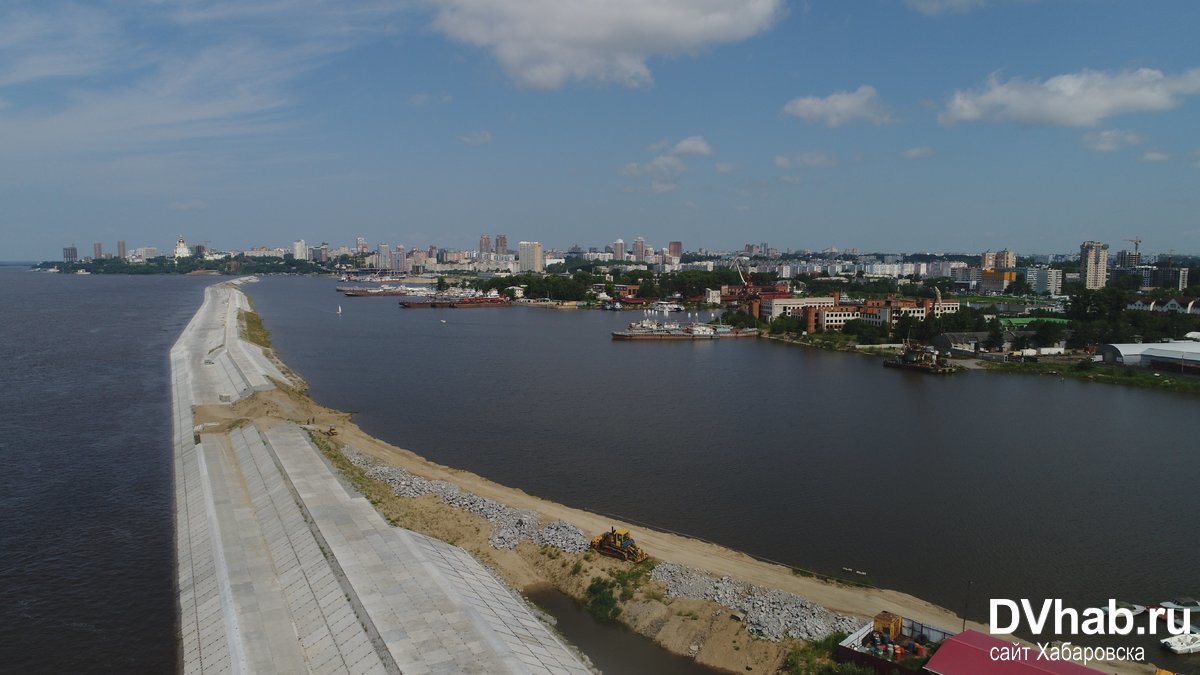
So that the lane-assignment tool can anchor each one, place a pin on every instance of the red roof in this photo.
(968, 653)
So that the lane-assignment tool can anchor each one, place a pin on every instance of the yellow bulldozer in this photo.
(618, 544)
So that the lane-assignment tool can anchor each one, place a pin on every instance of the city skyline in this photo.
(936, 125)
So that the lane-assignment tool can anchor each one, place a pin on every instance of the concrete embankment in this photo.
(281, 568)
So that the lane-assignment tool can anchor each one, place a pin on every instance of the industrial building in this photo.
(1181, 356)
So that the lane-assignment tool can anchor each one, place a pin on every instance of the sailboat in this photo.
(339, 310)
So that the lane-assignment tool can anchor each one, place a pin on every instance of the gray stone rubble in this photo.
(509, 525)
(770, 614)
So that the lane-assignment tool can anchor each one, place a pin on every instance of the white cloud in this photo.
(1155, 156)
(692, 145)
(67, 41)
(935, 7)
(423, 99)
(191, 205)
(1111, 140)
(840, 108)
(663, 171)
(543, 44)
(127, 97)
(918, 152)
(1072, 100)
(476, 138)
(725, 167)
(810, 159)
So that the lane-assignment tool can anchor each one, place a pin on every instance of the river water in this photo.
(1014, 486)
(87, 544)
(1027, 486)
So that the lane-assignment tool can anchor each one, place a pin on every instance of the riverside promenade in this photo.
(284, 568)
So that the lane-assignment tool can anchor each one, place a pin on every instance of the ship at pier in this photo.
(649, 329)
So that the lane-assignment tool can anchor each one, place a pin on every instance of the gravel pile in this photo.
(771, 614)
(509, 525)
(562, 535)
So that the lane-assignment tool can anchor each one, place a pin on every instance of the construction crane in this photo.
(747, 295)
(1136, 243)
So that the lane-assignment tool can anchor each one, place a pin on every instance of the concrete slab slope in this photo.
(281, 568)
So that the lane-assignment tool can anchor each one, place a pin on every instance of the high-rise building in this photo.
(97, 251)
(70, 254)
(1093, 264)
(530, 258)
(485, 244)
(121, 249)
(987, 260)
(300, 250)
(360, 245)
(1044, 280)
(675, 249)
(1006, 260)
(502, 244)
(639, 249)
(619, 250)
(432, 252)
(401, 260)
(1127, 259)
(385, 256)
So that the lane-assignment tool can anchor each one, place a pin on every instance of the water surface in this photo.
(1028, 487)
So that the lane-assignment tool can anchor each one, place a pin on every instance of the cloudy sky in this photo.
(880, 124)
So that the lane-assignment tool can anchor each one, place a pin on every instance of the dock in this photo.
(284, 568)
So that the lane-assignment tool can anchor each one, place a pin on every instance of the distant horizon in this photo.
(909, 124)
(168, 251)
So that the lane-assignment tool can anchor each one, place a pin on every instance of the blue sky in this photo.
(902, 125)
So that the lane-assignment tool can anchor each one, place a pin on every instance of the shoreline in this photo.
(673, 624)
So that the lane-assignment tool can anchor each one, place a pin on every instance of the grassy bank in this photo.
(834, 342)
(253, 329)
(1100, 372)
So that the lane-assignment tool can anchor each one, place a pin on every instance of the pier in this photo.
(283, 568)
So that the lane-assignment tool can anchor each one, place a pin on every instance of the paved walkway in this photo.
(283, 569)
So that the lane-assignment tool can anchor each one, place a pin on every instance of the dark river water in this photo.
(1027, 486)
(87, 544)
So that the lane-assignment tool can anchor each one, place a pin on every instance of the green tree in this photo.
(995, 339)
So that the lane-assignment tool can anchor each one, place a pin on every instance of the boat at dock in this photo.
(922, 358)
(382, 291)
(456, 302)
(1182, 644)
(649, 329)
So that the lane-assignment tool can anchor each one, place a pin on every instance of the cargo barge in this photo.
(434, 302)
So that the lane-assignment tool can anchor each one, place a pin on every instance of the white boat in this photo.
(1181, 627)
(1182, 644)
(1181, 603)
(339, 309)
(1133, 609)
(663, 306)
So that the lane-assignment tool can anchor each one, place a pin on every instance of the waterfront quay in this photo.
(283, 568)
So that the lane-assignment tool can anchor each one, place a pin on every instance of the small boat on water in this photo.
(339, 310)
(1133, 609)
(1181, 603)
(1182, 644)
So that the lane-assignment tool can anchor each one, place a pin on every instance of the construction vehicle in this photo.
(618, 544)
